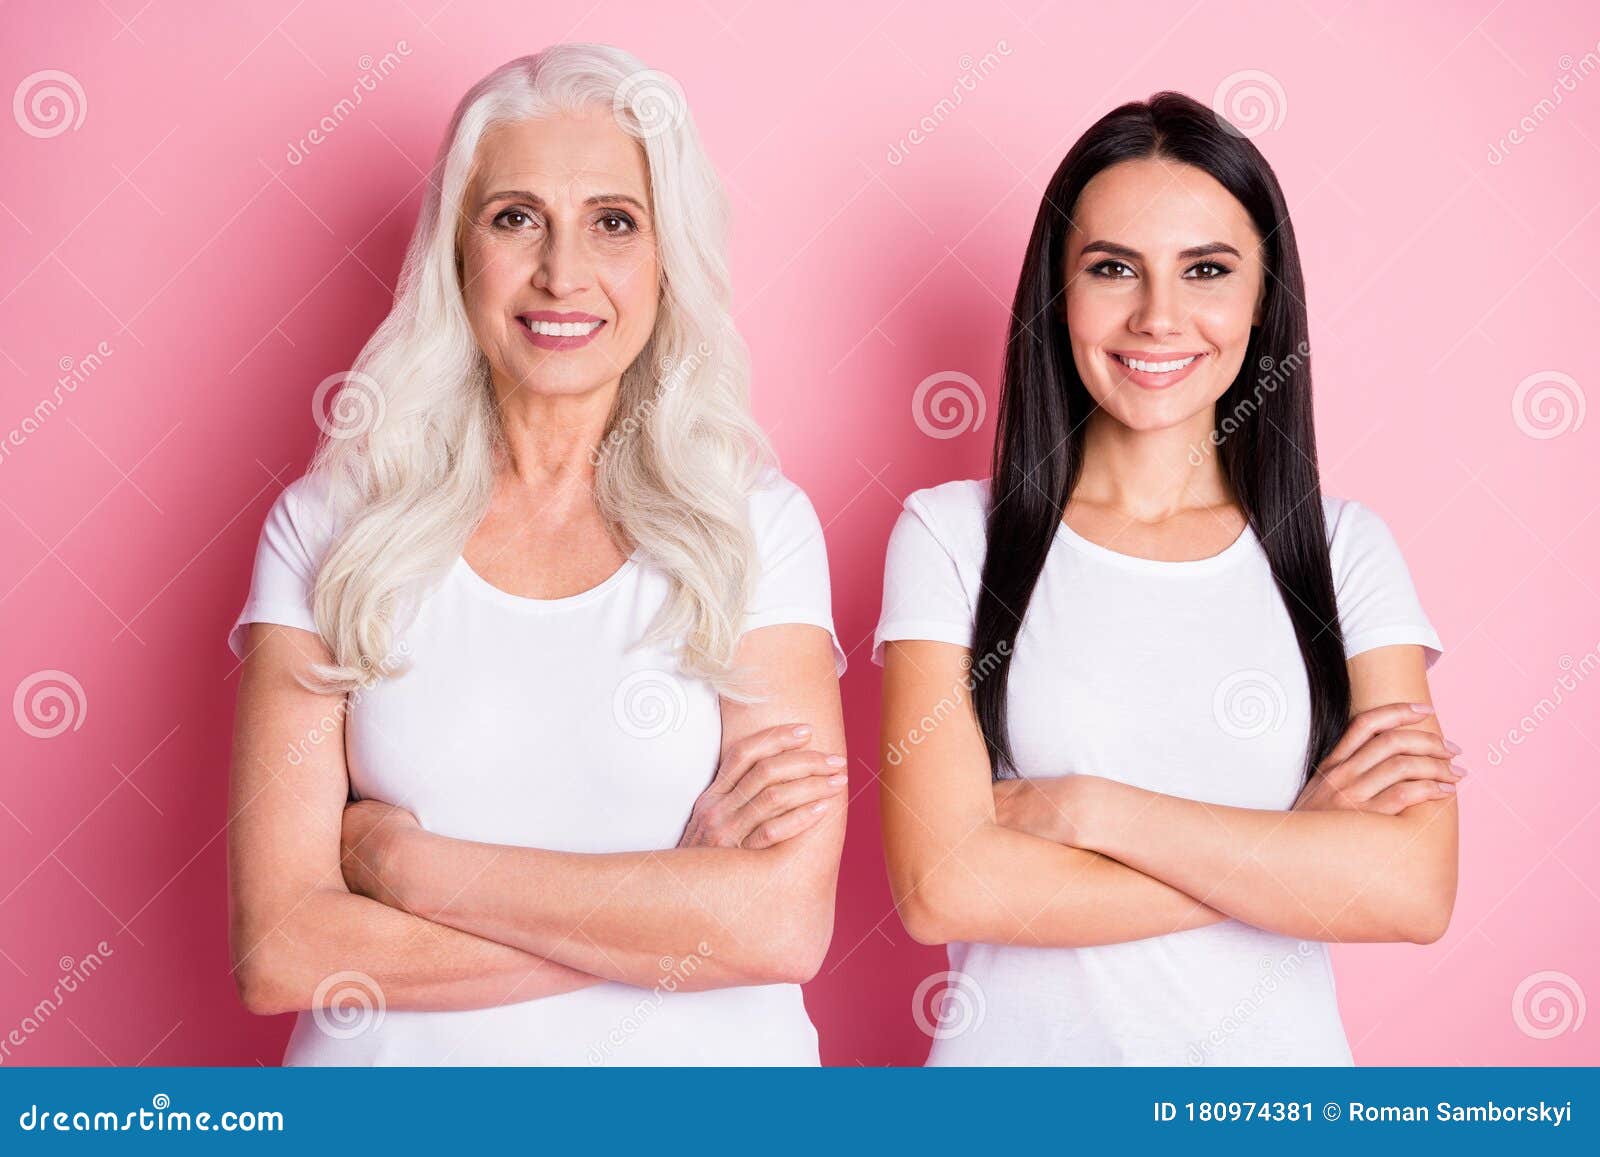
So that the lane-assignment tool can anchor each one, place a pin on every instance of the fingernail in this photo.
(838, 780)
(1447, 787)
(1422, 709)
(1458, 769)
(802, 731)
(836, 761)
(819, 807)
(1452, 748)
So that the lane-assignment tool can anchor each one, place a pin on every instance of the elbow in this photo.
(1430, 922)
(1421, 914)
(924, 928)
(261, 989)
(798, 952)
(796, 967)
(1432, 918)
(267, 981)
(926, 912)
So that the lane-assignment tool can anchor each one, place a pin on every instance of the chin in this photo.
(545, 383)
(1149, 415)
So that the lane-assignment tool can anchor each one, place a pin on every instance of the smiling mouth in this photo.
(561, 328)
(1156, 367)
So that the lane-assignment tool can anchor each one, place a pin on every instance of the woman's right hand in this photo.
(1383, 764)
(766, 791)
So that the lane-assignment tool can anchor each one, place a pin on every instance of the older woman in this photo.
(545, 609)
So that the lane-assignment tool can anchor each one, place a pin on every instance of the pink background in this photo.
(227, 283)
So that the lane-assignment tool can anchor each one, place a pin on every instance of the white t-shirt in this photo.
(531, 722)
(1182, 678)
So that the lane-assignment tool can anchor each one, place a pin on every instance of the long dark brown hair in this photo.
(1268, 455)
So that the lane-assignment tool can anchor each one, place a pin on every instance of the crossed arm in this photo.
(1082, 860)
(568, 921)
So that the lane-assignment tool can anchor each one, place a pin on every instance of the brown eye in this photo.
(510, 213)
(622, 220)
(1099, 270)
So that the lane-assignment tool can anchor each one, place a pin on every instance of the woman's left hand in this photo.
(367, 846)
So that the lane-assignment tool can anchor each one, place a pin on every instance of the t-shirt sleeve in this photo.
(287, 557)
(924, 596)
(1378, 603)
(793, 584)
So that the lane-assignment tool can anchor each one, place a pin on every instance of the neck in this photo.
(1151, 474)
(551, 438)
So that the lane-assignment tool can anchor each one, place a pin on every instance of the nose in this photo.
(1157, 312)
(563, 267)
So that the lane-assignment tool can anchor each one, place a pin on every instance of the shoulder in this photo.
(303, 518)
(785, 527)
(1353, 528)
(1377, 599)
(774, 499)
(956, 513)
(309, 497)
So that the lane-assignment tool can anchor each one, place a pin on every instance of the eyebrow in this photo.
(538, 202)
(1116, 250)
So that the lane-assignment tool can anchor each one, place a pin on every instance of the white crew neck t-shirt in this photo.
(1182, 678)
(536, 722)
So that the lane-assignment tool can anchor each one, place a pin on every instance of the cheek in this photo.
(1093, 317)
(489, 279)
(1225, 326)
(632, 284)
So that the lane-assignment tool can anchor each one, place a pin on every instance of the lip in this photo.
(1150, 380)
(546, 341)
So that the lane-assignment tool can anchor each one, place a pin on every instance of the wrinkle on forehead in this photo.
(588, 157)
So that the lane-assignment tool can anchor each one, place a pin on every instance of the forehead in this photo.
(569, 155)
(1157, 205)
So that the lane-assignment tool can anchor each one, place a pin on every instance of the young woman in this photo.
(1156, 719)
(545, 609)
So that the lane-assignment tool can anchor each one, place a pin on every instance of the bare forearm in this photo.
(618, 915)
(1002, 886)
(1324, 875)
(412, 962)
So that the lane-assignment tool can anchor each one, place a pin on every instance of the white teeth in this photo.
(1154, 367)
(562, 328)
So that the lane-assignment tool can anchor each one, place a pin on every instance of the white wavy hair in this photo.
(680, 453)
